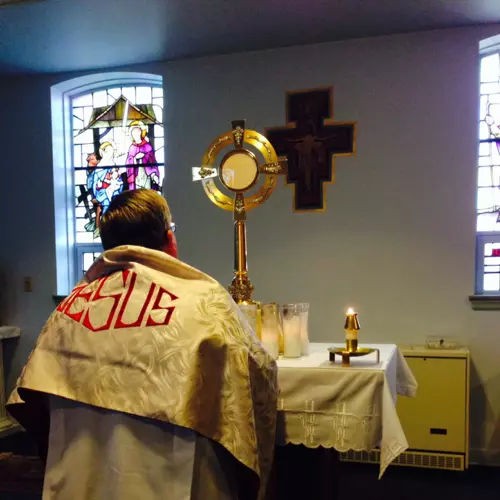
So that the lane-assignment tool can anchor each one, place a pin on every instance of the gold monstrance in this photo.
(239, 171)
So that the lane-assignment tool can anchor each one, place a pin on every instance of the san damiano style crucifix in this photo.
(310, 141)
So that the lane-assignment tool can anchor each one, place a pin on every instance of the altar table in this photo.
(347, 408)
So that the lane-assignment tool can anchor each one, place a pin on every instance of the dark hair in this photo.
(140, 217)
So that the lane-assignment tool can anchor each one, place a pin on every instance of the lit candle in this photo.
(291, 334)
(304, 331)
(270, 340)
(351, 328)
(270, 329)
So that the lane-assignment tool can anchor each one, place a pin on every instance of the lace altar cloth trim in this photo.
(345, 409)
(339, 430)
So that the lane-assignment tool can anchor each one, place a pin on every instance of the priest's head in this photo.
(139, 217)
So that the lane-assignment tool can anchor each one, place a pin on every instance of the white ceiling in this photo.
(66, 35)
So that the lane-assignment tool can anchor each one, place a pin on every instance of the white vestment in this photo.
(157, 346)
(98, 454)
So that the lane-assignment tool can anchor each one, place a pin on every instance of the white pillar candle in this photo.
(270, 340)
(291, 336)
(304, 342)
(304, 329)
(270, 331)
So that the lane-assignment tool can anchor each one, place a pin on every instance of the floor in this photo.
(407, 483)
(5, 495)
(361, 481)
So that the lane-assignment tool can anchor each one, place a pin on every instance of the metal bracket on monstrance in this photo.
(239, 172)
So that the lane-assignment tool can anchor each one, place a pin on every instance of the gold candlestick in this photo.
(351, 349)
(351, 328)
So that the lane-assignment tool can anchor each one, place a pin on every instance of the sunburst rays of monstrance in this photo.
(240, 173)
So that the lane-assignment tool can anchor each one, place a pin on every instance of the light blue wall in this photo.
(397, 240)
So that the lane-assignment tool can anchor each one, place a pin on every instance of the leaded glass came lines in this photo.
(118, 144)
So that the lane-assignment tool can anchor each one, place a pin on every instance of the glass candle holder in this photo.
(292, 330)
(304, 328)
(270, 331)
(252, 313)
(281, 336)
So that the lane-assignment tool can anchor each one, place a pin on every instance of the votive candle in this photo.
(292, 331)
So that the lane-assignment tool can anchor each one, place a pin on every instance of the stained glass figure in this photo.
(488, 198)
(118, 145)
(141, 153)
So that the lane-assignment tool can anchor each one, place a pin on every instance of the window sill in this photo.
(485, 302)
(58, 298)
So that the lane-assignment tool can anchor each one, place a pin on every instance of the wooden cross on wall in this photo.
(310, 141)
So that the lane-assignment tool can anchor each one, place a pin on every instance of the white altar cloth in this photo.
(347, 408)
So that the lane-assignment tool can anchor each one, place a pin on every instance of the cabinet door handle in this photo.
(442, 432)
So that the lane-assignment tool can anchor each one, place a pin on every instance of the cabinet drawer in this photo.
(436, 419)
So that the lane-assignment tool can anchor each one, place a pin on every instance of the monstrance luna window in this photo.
(118, 145)
(488, 196)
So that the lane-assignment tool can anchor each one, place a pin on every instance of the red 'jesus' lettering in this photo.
(156, 307)
(77, 294)
(96, 297)
(70, 298)
(119, 320)
(93, 300)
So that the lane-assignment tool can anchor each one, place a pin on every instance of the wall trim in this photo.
(485, 302)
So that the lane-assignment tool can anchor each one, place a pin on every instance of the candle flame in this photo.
(350, 311)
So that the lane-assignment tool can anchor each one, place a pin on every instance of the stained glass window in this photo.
(488, 177)
(118, 145)
(488, 198)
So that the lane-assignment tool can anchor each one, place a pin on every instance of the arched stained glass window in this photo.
(488, 173)
(117, 145)
(107, 138)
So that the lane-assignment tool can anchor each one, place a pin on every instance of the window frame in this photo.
(83, 248)
(68, 253)
(481, 240)
(487, 48)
